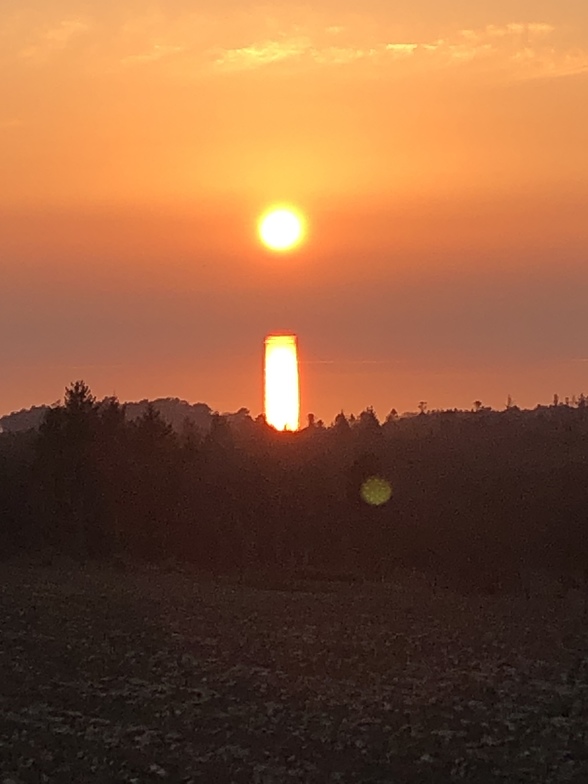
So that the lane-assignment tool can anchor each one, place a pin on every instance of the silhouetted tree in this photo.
(154, 484)
(66, 447)
(368, 420)
(112, 467)
(341, 423)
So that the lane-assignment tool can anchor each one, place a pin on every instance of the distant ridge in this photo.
(173, 410)
(25, 419)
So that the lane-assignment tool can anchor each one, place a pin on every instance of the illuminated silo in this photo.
(281, 386)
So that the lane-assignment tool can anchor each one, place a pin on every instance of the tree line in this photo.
(477, 497)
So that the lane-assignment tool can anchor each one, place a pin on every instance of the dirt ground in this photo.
(147, 675)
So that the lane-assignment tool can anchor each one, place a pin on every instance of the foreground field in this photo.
(148, 676)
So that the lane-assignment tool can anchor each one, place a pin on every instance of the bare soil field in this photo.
(150, 676)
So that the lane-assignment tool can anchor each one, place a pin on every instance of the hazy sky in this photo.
(438, 150)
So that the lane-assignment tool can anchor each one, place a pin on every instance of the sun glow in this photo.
(282, 397)
(281, 229)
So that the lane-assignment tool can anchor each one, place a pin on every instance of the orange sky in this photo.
(439, 152)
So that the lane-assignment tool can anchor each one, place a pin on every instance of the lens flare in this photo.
(282, 396)
(376, 491)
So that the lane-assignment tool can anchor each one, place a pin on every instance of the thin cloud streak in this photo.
(261, 54)
(54, 39)
(158, 52)
(196, 43)
(526, 50)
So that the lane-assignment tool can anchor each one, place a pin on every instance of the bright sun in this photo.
(281, 229)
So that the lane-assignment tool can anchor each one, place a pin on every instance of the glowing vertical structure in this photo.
(281, 386)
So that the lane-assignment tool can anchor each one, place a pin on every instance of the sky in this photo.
(439, 152)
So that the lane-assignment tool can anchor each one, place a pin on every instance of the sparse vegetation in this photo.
(159, 674)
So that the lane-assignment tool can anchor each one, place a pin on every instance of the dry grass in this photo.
(152, 674)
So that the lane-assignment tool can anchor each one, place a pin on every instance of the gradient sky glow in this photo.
(438, 150)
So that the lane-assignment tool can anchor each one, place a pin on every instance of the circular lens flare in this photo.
(376, 491)
(281, 229)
